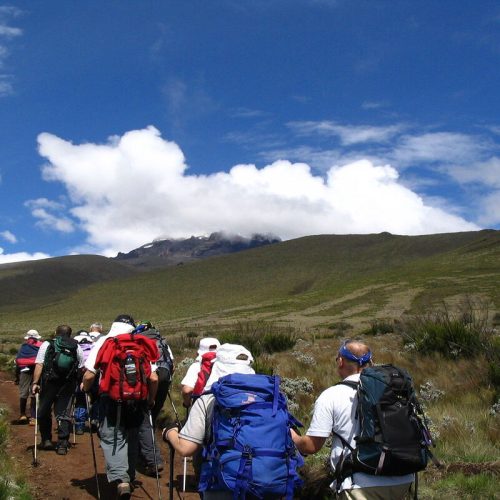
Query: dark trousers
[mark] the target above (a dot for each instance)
(58, 395)
(145, 438)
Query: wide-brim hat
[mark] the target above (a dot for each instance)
(32, 334)
(206, 345)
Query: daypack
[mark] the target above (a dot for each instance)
(165, 360)
(251, 450)
(125, 363)
(27, 353)
(206, 365)
(393, 438)
(86, 347)
(61, 359)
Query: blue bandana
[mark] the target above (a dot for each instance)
(346, 353)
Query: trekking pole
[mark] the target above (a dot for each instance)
(154, 454)
(92, 444)
(172, 453)
(73, 418)
(184, 471)
(35, 460)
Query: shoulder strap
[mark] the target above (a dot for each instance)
(349, 383)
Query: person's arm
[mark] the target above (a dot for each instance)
(186, 391)
(307, 445)
(37, 375)
(88, 380)
(182, 446)
(152, 388)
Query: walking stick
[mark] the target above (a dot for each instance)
(92, 444)
(184, 471)
(35, 460)
(172, 452)
(154, 454)
(73, 400)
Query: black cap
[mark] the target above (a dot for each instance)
(125, 318)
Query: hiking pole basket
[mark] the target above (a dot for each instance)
(35, 462)
(92, 444)
(154, 453)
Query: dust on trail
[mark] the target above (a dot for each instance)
(72, 476)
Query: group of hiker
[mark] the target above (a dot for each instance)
(243, 440)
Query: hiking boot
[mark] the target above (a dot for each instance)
(62, 447)
(46, 444)
(79, 431)
(124, 490)
(23, 419)
(32, 421)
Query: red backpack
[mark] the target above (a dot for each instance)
(125, 362)
(204, 373)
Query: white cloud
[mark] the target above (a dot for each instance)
(20, 256)
(348, 134)
(485, 172)
(7, 32)
(135, 188)
(43, 210)
(8, 236)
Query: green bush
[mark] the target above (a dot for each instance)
(380, 327)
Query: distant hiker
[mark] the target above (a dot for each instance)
(25, 367)
(198, 373)
(243, 426)
(56, 373)
(80, 407)
(335, 413)
(127, 386)
(95, 331)
(165, 372)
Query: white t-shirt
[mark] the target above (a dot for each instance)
(197, 426)
(40, 357)
(335, 409)
(192, 374)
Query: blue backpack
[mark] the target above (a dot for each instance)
(251, 450)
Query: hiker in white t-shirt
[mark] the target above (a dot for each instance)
(189, 381)
(335, 410)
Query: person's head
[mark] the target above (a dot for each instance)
(63, 331)
(95, 327)
(231, 358)
(125, 318)
(206, 345)
(83, 337)
(352, 357)
(32, 334)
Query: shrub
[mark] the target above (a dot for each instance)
(380, 327)
(260, 337)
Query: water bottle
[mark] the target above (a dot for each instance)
(130, 371)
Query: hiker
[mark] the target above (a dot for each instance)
(56, 372)
(127, 387)
(335, 412)
(165, 370)
(243, 428)
(80, 416)
(25, 367)
(195, 374)
(95, 331)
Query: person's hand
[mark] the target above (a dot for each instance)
(81, 387)
(164, 434)
(35, 388)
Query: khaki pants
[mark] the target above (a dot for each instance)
(397, 492)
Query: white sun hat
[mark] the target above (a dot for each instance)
(206, 345)
(231, 358)
(32, 334)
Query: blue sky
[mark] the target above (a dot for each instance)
(124, 121)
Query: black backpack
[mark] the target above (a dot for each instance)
(61, 359)
(165, 360)
(393, 438)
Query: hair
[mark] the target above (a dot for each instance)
(64, 331)
(96, 326)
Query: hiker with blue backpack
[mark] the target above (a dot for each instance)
(380, 440)
(243, 426)
(56, 371)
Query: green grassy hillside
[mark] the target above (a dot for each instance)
(309, 282)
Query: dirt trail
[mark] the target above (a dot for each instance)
(72, 476)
